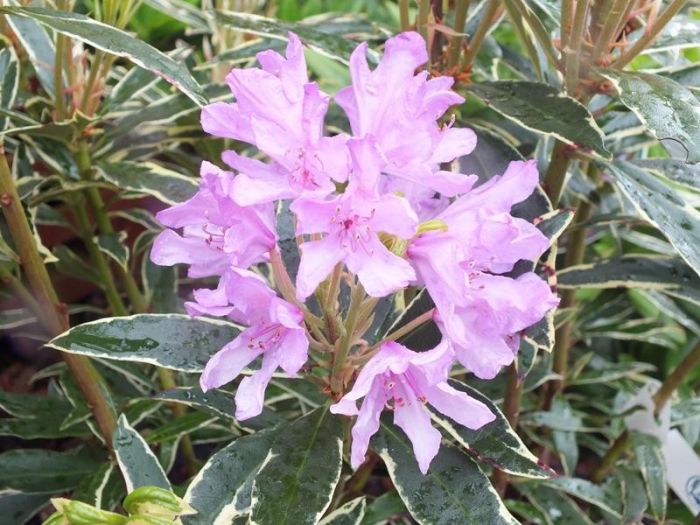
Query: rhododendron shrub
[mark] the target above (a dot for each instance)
(379, 213)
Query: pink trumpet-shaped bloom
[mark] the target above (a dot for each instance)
(278, 110)
(275, 332)
(407, 381)
(352, 223)
(401, 109)
(216, 232)
(479, 313)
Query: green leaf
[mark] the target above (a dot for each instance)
(333, 46)
(685, 410)
(222, 489)
(454, 490)
(166, 185)
(9, 85)
(103, 489)
(586, 491)
(381, 510)
(36, 470)
(651, 463)
(37, 417)
(495, 443)
(177, 342)
(114, 246)
(216, 402)
(175, 428)
(39, 48)
(685, 176)
(138, 464)
(19, 507)
(115, 42)
(667, 108)
(349, 514)
(655, 200)
(667, 274)
(297, 481)
(634, 496)
(543, 108)
(560, 509)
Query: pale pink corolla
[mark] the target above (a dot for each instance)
(479, 313)
(351, 224)
(400, 109)
(279, 111)
(216, 232)
(275, 333)
(407, 381)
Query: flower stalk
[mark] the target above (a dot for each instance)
(54, 312)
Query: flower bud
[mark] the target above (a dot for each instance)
(155, 501)
(79, 513)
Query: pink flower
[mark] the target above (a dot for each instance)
(275, 332)
(401, 109)
(216, 232)
(406, 381)
(484, 326)
(352, 223)
(278, 110)
(482, 314)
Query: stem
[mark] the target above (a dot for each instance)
(572, 51)
(422, 22)
(345, 342)
(575, 251)
(88, 378)
(90, 84)
(403, 14)
(136, 298)
(167, 381)
(408, 327)
(511, 410)
(661, 397)
(481, 31)
(116, 305)
(556, 172)
(567, 16)
(650, 35)
(59, 102)
(461, 8)
(613, 20)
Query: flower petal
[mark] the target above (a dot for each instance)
(250, 396)
(459, 406)
(367, 423)
(414, 420)
(229, 362)
(318, 258)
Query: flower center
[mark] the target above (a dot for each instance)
(268, 337)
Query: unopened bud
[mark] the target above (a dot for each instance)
(79, 513)
(155, 501)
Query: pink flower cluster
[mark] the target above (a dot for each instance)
(375, 201)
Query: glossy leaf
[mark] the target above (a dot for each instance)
(115, 42)
(448, 492)
(587, 491)
(297, 481)
(19, 507)
(222, 489)
(333, 46)
(560, 509)
(676, 219)
(9, 83)
(39, 48)
(635, 501)
(667, 274)
(667, 108)
(138, 464)
(113, 245)
(543, 108)
(495, 444)
(37, 470)
(166, 185)
(178, 342)
(651, 463)
(349, 514)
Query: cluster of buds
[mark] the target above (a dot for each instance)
(374, 214)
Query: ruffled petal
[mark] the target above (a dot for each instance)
(459, 406)
(229, 362)
(250, 396)
(367, 423)
(317, 261)
(380, 271)
(414, 420)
